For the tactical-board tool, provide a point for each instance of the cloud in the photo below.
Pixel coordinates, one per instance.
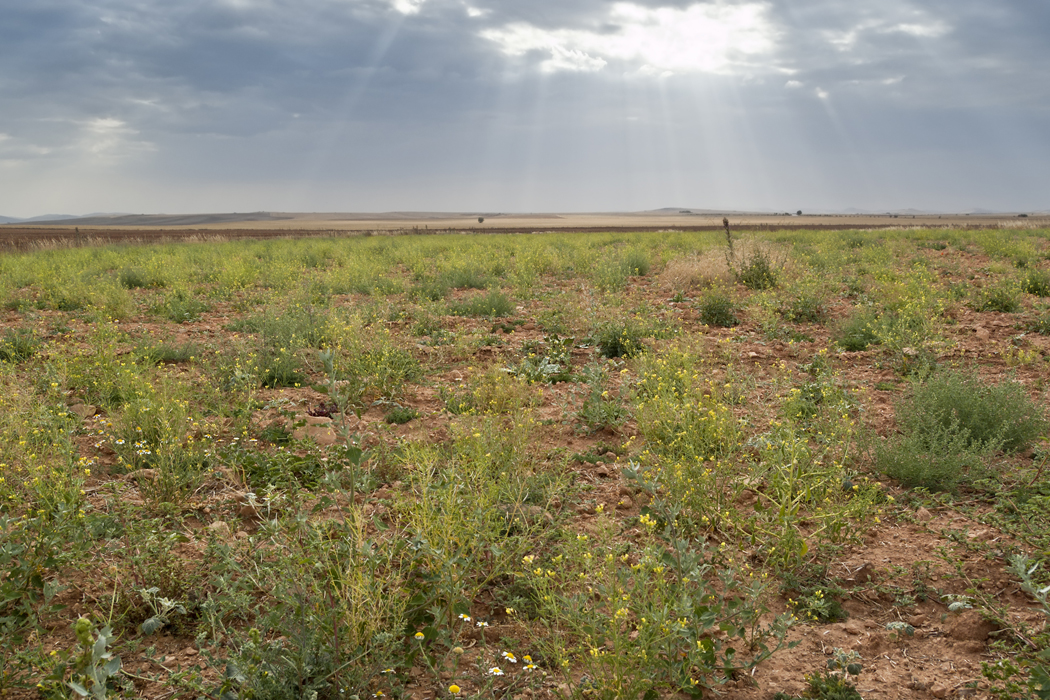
(395, 101)
(408, 7)
(716, 38)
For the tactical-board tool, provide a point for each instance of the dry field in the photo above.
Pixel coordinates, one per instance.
(578, 465)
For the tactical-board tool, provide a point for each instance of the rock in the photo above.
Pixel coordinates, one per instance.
(220, 529)
(190, 651)
(535, 513)
(584, 509)
(241, 535)
(865, 574)
(603, 471)
(923, 515)
(140, 475)
(917, 620)
(981, 333)
(625, 503)
(980, 535)
(852, 628)
(939, 690)
(83, 410)
(323, 435)
(318, 420)
(249, 510)
(969, 626)
(625, 491)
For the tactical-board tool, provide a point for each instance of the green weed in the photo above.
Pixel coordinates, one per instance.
(495, 304)
(1036, 282)
(857, 331)
(717, 308)
(18, 345)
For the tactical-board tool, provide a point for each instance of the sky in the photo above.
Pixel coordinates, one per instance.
(154, 106)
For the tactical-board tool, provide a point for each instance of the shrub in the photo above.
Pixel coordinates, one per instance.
(167, 353)
(18, 345)
(758, 271)
(1036, 282)
(952, 424)
(938, 459)
(1003, 298)
(600, 409)
(636, 262)
(181, 307)
(717, 308)
(399, 415)
(464, 278)
(984, 414)
(805, 308)
(137, 278)
(495, 304)
(1041, 325)
(857, 332)
(431, 290)
(623, 339)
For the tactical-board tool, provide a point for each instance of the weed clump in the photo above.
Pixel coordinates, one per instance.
(952, 425)
(495, 304)
(138, 278)
(399, 415)
(1002, 298)
(636, 262)
(181, 307)
(622, 339)
(1037, 283)
(857, 332)
(18, 345)
(758, 271)
(718, 309)
(985, 414)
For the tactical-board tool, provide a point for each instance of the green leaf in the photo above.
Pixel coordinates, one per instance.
(151, 625)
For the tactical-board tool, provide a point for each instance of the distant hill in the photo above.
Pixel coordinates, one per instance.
(35, 219)
(160, 219)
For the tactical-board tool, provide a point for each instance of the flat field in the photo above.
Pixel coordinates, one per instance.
(569, 464)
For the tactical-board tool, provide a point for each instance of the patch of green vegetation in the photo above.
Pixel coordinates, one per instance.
(168, 353)
(717, 308)
(181, 306)
(399, 415)
(952, 425)
(758, 271)
(18, 345)
(1004, 298)
(494, 304)
(1036, 282)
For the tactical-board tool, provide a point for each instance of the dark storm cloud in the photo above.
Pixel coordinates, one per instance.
(226, 90)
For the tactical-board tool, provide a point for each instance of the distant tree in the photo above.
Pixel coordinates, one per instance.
(798, 213)
(481, 219)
